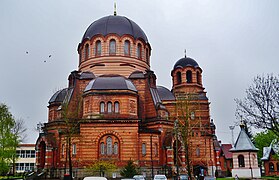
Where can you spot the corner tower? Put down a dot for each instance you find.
(114, 45)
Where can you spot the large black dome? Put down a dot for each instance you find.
(119, 25)
(184, 62)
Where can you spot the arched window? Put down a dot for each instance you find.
(74, 149)
(98, 48)
(127, 48)
(102, 107)
(102, 148)
(241, 162)
(278, 166)
(178, 76)
(112, 47)
(143, 149)
(109, 107)
(87, 51)
(271, 166)
(189, 76)
(198, 77)
(116, 107)
(139, 52)
(109, 146)
(115, 148)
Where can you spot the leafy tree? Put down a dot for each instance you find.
(8, 140)
(264, 139)
(102, 167)
(129, 170)
(260, 107)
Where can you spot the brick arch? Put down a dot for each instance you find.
(96, 140)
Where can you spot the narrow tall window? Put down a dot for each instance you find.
(109, 107)
(198, 151)
(115, 148)
(143, 149)
(109, 146)
(116, 107)
(74, 150)
(241, 162)
(98, 48)
(178, 76)
(278, 166)
(102, 148)
(102, 107)
(112, 47)
(139, 52)
(127, 48)
(87, 51)
(271, 167)
(189, 76)
(198, 77)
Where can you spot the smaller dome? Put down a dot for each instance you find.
(59, 96)
(165, 94)
(136, 75)
(86, 75)
(184, 62)
(110, 83)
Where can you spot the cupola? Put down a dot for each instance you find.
(114, 45)
(187, 75)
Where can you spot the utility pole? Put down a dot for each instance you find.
(232, 128)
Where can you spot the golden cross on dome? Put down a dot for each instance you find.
(114, 13)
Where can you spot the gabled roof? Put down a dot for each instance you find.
(243, 143)
(226, 150)
(266, 153)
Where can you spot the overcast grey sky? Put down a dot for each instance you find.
(231, 40)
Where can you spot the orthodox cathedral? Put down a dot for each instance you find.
(113, 110)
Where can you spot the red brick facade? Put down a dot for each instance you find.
(129, 120)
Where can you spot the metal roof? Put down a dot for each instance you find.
(110, 83)
(243, 143)
(119, 25)
(165, 94)
(184, 62)
(59, 96)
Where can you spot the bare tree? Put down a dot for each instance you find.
(70, 116)
(260, 107)
(18, 130)
(185, 106)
